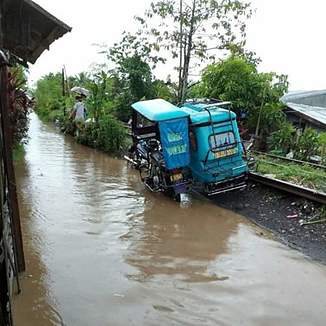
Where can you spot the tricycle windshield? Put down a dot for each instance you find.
(222, 141)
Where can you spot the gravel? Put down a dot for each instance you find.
(283, 214)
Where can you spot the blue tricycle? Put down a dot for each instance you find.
(160, 146)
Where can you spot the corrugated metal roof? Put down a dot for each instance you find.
(315, 113)
(308, 104)
(28, 29)
(297, 96)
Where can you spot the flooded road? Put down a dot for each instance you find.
(101, 250)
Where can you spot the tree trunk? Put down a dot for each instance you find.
(188, 53)
(181, 52)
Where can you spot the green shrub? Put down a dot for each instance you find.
(322, 146)
(108, 134)
(282, 140)
(307, 145)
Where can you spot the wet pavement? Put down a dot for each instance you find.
(102, 250)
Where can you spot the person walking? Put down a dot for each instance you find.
(78, 114)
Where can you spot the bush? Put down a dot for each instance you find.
(108, 134)
(307, 145)
(20, 105)
(322, 146)
(282, 140)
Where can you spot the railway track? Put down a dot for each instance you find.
(290, 160)
(291, 188)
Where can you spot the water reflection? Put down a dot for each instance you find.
(39, 309)
(179, 241)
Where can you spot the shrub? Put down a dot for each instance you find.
(19, 105)
(322, 146)
(283, 140)
(108, 134)
(307, 145)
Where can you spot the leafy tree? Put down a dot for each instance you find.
(189, 29)
(255, 94)
(163, 90)
(48, 94)
(134, 77)
(137, 46)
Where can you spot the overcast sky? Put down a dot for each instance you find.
(288, 35)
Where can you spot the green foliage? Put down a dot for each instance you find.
(103, 131)
(187, 29)
(307, 145)
(163, 91)
(322, 146)
(19, 104)
(283, 140)
(297, 173)
(18, 152)
(108, 134)
(237, 79)
(48, 95)
(136, 46)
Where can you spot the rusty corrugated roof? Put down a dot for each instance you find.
(28, 29)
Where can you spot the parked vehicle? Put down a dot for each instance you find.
(218, 163)
(160, 149)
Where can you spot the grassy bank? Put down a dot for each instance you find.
(49, 115)
(107, 134)
(300, 174)
(18, 153)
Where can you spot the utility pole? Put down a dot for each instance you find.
(63, 90)
(260, 112)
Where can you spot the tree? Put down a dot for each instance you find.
(134, 78)
(48, 94)
(133, 61)
(190, 29)
(253, 94)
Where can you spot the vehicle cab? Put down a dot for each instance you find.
(218, 162)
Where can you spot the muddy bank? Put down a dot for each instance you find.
(281, 214)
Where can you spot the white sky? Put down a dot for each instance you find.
(289, 36)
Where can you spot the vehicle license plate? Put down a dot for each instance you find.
(176, 177)
(224, 153)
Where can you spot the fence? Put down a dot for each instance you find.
(11, 248)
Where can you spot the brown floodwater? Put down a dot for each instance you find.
(102, 250)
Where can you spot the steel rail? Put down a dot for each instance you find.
(319, 166)
(300, 191)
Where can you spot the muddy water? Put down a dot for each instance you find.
(103, 251)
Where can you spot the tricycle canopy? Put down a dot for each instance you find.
(159, 110)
